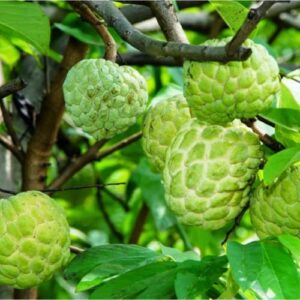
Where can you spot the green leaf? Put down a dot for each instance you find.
(286, 117)
(195, 278)
(265, 267)
(232, 12)
(279, 162)
(178, 255)
(153, 281)
(186, 286)
(287, 99)
(26, 21)
(113, 259)
(8, 53)
(292, 243)
(289, 94)
(153, 194)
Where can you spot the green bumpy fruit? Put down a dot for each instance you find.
(275, 210)
(34, 239)
(103, 98)
(219, 93)
(209, 171)
(161, 124)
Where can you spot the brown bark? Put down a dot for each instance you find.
(44, 137)
(40, 146)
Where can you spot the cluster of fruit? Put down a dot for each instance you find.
(208, 158)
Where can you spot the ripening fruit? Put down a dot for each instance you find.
(103, 98)
(219, 93)
(275, 209)
(34, 239)
(209, 171)
(161, 124)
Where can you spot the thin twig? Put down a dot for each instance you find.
(12, 148)
(82, 187)
(253, 18)
(71, 188)
(127, 141)
(237, 222)
(106, 216)
(76, 250)
(89, 16)
(77, 164)
(113, 17)
(166, 16)
(265, 138)
(264, 120)
(139, 225)
(116, 198)
(92, 154)
(9, 192)
(12, 87)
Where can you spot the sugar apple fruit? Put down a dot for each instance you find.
(219, 93)
(209, 171)
(103, 98)
(34, 239)
(275, 209)
(161, 124)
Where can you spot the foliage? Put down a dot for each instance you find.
(134, 247)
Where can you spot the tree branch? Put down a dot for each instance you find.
(279, 8)
(237, 222)
(265, 138)
(11, 87)
(10, 128)
(77, 164)
(92, 154)
(122, 144)
(116, 19)
(88, 15)
(40, 146)
(12, 148)
(139, 225)
(254, 16)
(165, 14)
(105, 214)
(137, 13)
(141, 59)
(201, 21)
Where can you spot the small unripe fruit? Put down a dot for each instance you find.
(218, 93)
(103, 98)
(162, 122)
(275, 209)
(34, 239)
(209, 171)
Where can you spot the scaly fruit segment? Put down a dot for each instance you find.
(219, 93)
(161, 124)
(209, 171)
(275, 210)
(104, 99)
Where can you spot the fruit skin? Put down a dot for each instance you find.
(162, 122)
(219, 93)
(103, 98)
(209, 171)
(34, 239)
(275, 209)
